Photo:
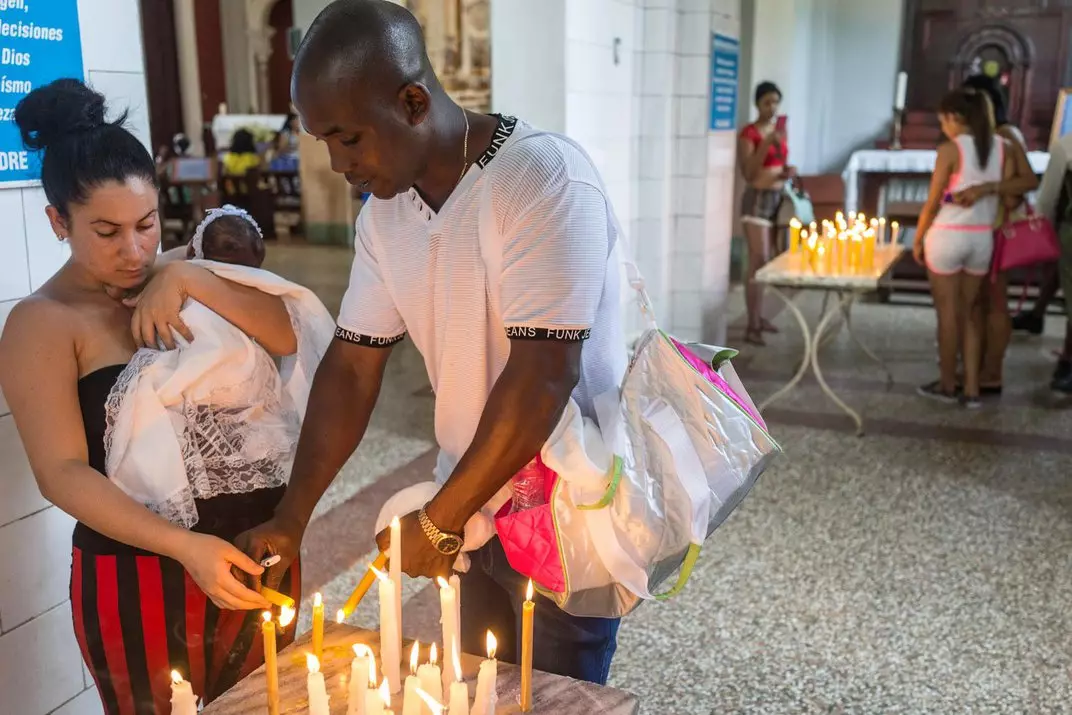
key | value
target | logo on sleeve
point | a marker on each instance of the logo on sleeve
(565, 335)
(370, 341)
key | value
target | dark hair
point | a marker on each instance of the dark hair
(291, 116)
(242, 142)
(994, 91)
(229, 239)
(65, 121)
(765, 88)
(972, 107)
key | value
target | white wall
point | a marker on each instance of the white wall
(836, 61)
(40, 666)
(528, 68)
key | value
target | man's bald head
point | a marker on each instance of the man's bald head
(355, 40)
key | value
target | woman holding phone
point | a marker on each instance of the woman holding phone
(764, 160)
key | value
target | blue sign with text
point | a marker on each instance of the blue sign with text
(39, 43)
(725, 66)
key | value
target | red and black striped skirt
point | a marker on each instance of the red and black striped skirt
(138, 616)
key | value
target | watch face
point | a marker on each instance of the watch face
(449, 544)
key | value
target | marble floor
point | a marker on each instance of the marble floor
(923, 568)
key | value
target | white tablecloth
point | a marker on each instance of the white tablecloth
(905, 161)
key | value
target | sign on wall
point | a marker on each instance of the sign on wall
(725, 67)
(39, 43)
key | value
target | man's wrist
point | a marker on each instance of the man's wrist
(444, 519)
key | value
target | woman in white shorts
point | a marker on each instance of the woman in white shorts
(955, 238)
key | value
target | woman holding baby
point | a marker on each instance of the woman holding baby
(148, 594)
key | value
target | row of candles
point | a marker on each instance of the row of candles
(424, 687)
(842, 246)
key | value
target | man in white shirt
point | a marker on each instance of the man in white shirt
(1050, 204)
(491, 246)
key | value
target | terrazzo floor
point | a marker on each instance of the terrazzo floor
(923, 568)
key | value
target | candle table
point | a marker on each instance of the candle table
(788, 270)
(550, 693)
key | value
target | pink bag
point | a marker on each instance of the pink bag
(1024, 242)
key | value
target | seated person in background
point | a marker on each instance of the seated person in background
(243, 156)
(286, 145)
(228, 235)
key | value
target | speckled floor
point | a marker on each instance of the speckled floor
(924, 568)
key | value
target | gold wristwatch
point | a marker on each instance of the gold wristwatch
(445, 542)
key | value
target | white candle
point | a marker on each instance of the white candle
(318, 691)
(431, 679)
(385, 699)
(374, 698)
(902, 91)
(362, 674)
(459, 691)
(395, 567)
(448, 605)
(411, 702)
(485, 700)
(390, 643)
(431, 705)
(183, 700)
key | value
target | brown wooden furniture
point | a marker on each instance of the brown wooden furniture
(1023, 42)
(188, 188)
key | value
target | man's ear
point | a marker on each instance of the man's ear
(417, 101)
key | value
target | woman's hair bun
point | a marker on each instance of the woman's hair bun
(58, 110)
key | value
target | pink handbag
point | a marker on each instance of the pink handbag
(1023, 242)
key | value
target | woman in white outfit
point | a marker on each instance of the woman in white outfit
(956, 242)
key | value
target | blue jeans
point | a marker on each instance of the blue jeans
(492, 594)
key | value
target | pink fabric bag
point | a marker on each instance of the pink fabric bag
(1023, 242)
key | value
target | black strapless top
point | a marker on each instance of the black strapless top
(225, 516)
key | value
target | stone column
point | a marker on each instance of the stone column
(189, 75)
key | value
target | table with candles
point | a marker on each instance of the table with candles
(847, 257)
(336, 669)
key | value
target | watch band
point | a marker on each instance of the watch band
(444, 541)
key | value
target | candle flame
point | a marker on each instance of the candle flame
(286, 615)
(895, 224)
(362, 650)
(813, 226)
(433, 655)
(528, 592)
(436, 707)
(457, 663)
(492, 643)
(340, 616)
(395, 523)
(318, 600)
(175, 677)
(267, 616)
(385, 692)
(795, 223)
(379, 574)
(414, 657)
(312, 662)
(442, 582)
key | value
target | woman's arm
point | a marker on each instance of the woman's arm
(1017, 180)
(751, 156)
(944, 168)
(261, 316)
(39, 374)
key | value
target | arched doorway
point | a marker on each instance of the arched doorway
(280, 65)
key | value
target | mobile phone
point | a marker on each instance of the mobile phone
(779, 124)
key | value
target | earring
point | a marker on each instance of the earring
(60, 237)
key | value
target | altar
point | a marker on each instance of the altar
(550, 693)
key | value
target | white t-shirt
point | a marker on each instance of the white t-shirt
(417, 272)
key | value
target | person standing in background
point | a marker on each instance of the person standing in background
(763, 155)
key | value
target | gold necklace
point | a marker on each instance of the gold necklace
(465, 149)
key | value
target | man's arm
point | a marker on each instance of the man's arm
(343, 395)
(522, 411)
(1049, 193)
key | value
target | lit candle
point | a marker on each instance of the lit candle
(318, 626)
(869, 250)
(794, 235)
(459, 691)
(318, 691)
(431, 705)
(827, 253)
(390, 643)
(896, 229)
(277, 598)
(411, 703)
(882, 231)
(183, 700)
(271, 667)
(374, 696)
(364, 585)
(430, 676)
(448, 606)
(813, 254)
(385, 699)
(852, 217)
(856, 257)
(527, 609)
(486, 698)
(362, 674)
(395, 564)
